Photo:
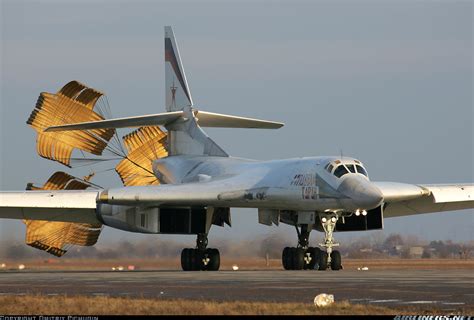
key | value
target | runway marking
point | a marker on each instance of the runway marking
(420, 302)
(359, 299)
(387, 288)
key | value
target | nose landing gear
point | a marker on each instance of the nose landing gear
(332, 258)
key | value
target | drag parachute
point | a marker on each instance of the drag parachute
(56, 237)
(144, 145)
(75, 102)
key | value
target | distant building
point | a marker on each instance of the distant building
(416, 252)
(398, 248)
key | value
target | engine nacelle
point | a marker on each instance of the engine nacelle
(154, 220)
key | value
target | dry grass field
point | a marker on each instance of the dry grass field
(242, 263)
(41, 305)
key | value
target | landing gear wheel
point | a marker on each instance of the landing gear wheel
(286, 259)
(195, 260)
(185, 261)
(214, 260)
(298, 258)
(293, 258)
(336, 260)
(314, 254)
(323, 260)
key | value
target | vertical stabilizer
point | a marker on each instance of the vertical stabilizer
(184, 137)
(178, 95)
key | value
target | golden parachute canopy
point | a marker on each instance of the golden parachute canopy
(54, 237)
(143, 145)
(74, 103)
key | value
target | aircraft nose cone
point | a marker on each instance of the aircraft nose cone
(364, 194)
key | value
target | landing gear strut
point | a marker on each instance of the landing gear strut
(201, 257)
(333, 258)
(302, 257)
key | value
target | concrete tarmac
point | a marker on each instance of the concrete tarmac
(445, 289)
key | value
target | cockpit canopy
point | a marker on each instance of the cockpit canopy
(340, 168)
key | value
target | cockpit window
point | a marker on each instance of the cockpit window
(351, 168)
(329, 168)
(361, 170)
(340, 171)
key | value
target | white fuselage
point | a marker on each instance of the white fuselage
(291, 184)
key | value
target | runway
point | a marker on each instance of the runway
(445, 289)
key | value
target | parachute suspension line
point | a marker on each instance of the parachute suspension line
(116, 137)
(105, 170)
(118, 144)
(84, 162)
(138, 165)
(105, 111)
(91, 184)
(105, 107)
(114, 149)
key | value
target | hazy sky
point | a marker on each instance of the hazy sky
(387, 82)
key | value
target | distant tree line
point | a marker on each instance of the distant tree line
(271, 245)
(396, 245)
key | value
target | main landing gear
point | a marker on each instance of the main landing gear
(304, 257)
(201, 257)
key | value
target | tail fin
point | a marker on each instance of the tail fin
(182, 120)
(184, 137)
(178, 95)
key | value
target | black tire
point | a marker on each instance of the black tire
(291, 258)
(185, 265)
(336, 261)
(314, 253)
(322, 260)
(214, 259)
(298, 258)
(285, 258)
(195, 257)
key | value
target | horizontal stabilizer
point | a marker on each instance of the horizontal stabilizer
(216, 120)
(140, 121)
(205, 119)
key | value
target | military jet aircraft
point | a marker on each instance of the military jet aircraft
(192, 183)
